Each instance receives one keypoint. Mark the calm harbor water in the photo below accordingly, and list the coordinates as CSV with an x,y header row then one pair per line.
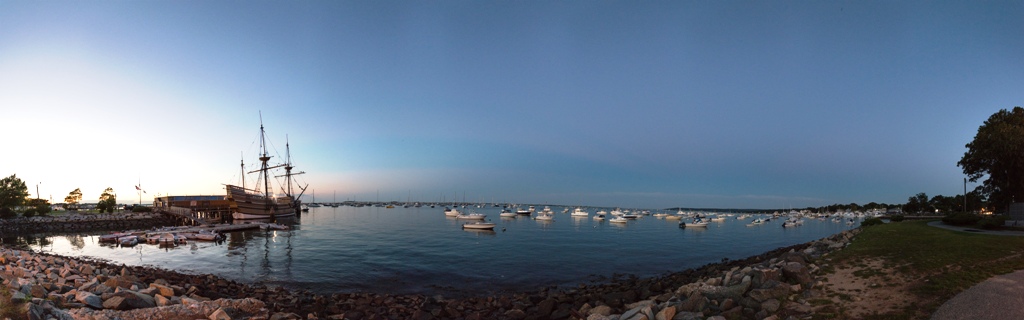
x,y
419,250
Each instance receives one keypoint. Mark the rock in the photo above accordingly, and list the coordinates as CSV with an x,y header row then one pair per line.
x,y
601,310
515,314
18,296
285,316
161,301
162,290
89,299
797,308
224,314
689,316
695,303
666,313
639,304
770,305
544,308
796,272
116,303
734,292
773,290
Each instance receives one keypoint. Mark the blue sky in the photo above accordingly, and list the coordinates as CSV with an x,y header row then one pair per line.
x,y
738,104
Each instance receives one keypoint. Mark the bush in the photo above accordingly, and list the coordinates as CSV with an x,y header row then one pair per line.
x,y
992,222
7,213
871,222
961,219
141,209
30,212
43,209
897,218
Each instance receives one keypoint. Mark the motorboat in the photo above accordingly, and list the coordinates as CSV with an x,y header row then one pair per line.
x,y
479,225
660,215
128,241
523,211
544,217
579,212
696,223
673,217
471,216
630,215
506,213
618,220
449,212
599,217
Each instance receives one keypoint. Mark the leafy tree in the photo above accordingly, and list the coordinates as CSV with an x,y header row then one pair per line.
x,y
917,204
997,152
12,192
108,200
41,206
71,201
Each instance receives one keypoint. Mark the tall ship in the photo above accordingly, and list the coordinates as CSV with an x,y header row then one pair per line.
x,y
260,202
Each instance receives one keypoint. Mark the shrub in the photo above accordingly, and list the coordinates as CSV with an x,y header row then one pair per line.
x,y
871,222
7,213
992,222
43,209
897,218
141,209
961,219
30,212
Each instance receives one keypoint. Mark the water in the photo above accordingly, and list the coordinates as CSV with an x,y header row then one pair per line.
x,y
419,250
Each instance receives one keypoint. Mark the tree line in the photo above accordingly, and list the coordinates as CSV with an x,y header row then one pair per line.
x,y
14,196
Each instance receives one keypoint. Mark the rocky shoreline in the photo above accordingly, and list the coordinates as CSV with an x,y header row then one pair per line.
x,y
76,222
773,285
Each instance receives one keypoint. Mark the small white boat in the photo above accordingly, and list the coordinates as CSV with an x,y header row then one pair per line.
x,y
480,225
697,223
523,211
618,220
630,215
579,212
718,219
599,217
660,215
449,212
505,213
471,216
544,217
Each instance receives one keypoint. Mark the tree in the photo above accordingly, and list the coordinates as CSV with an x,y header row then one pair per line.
x,y
917,203
71,201
997,152
108,200
12,192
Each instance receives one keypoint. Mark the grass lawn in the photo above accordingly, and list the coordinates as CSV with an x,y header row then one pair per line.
x,y
947,262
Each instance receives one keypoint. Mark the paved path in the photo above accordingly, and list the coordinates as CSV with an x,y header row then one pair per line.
x,y
998,298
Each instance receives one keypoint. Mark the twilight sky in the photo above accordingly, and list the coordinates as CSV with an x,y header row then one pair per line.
x,y
730,104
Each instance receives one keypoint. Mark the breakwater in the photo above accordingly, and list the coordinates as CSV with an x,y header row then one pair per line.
x,y
772,284
84,222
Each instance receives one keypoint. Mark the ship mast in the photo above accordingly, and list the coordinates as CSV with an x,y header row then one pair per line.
x,y
264,157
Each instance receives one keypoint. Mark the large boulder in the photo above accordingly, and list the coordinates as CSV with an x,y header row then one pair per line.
x,y
89,299
797,273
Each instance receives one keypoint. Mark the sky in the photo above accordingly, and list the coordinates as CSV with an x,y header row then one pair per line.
x,y
653,104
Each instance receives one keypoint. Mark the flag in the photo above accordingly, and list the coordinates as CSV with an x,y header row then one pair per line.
x,y
137,187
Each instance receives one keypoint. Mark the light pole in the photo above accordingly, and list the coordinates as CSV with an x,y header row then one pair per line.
x,y
37,190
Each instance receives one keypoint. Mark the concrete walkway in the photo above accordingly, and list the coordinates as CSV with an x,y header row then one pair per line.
x,y
998,298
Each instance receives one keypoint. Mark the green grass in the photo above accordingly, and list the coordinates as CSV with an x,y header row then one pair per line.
x,y
948,261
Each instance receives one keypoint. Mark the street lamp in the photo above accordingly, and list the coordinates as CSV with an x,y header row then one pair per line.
x,y
37,190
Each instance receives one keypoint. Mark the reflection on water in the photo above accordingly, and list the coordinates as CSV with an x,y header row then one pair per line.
x,y
418,250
